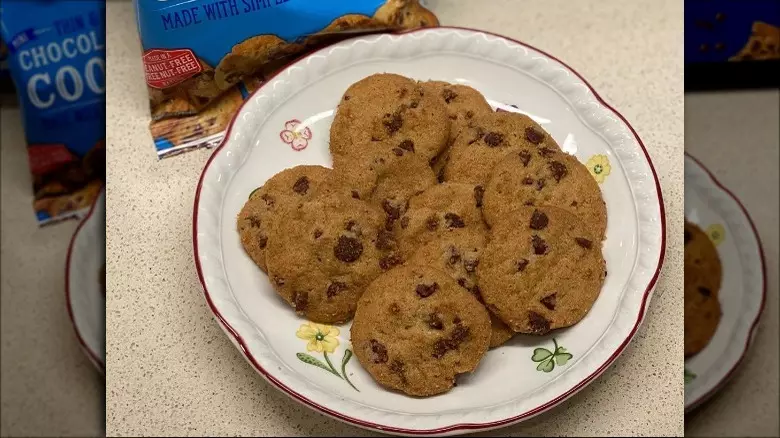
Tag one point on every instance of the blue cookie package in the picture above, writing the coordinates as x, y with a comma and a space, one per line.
56, 58
202, 58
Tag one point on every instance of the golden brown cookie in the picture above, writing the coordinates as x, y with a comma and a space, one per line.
322, 255
701, 257
415, 330
406, 14
248, 56
541, 270
286, 189
457, 254
486, 140
463, 103
702, 315
384, 112
544, 176
438, 211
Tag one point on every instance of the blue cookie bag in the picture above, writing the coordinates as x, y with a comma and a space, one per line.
56, 58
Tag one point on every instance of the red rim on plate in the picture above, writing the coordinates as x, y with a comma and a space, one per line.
93, 357
454, 427
751, 333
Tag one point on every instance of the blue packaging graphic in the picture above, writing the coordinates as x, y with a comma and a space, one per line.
56, 58
203, 57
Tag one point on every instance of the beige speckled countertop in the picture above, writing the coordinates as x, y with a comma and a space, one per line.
735, 134
171, 370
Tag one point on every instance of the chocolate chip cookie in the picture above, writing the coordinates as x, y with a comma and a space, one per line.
284, 190
702, 285
385, 111
438, 211
457, 253
545, 176
415, 330
486, 139
542, 269
321, 255
463, 103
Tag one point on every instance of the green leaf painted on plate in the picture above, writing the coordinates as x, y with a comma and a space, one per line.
540, 354
254, 191
344, 360
689, 376
546, 365
562, 358
311, 360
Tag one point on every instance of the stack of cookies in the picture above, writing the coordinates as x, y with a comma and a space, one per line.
443, 229
702, 285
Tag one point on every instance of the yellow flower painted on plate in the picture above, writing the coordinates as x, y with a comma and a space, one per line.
322, 338
717, 233
599, 167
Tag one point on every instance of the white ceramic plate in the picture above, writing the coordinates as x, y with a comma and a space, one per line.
720, 214
507, 387
84, 294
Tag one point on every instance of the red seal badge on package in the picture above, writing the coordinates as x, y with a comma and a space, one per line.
166, 68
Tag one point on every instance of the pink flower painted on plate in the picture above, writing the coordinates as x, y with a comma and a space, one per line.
296, 137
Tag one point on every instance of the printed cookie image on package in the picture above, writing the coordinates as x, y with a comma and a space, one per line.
203, 57
56, 58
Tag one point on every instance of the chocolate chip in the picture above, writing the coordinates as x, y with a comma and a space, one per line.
459, 334
407, 145
348, 249
349, 225
262, 241
346, 97
317, 233
301, 186
539, 220
540, 183
396, 366
583, 242
573, 204
479, 193
470, 265
389, 261
393, 211
300, 300
398, 152
704, 291
533, 135
453, 220
456, 320
529, 202
462, 283
402, 93
432, 222
440, 176
426, 290
549, 301
414, 104
540, 246
558, 170
469, 114
385, 240
494, 139
379, 352
546, 152
538, 324
528, 180
335, 287
404, 222
440, 348
394, 309
254, 221
279, 281
448, 95
479, 132
521, 264
688, 237
434, 322
393, 123
269, 200
525, 157
355, 194
454, 255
